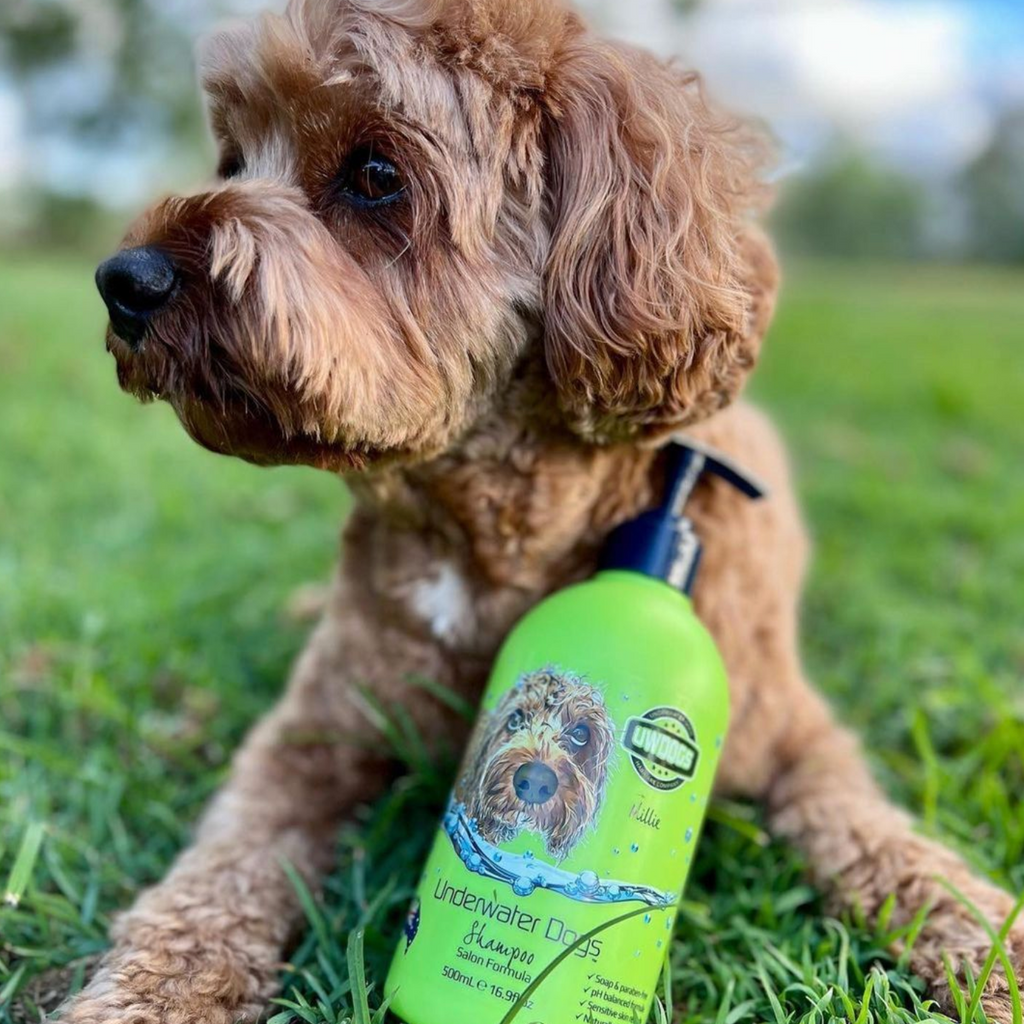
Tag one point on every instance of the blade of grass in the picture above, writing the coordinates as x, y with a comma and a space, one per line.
12, 984
769, 991
723, 1007
357, 977
666, 976
866, 1000
912, 932
930, 762
445, 695
307, 902
24, 863
997, 952
382, 1012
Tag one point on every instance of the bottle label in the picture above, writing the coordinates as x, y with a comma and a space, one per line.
539, 764
570, 810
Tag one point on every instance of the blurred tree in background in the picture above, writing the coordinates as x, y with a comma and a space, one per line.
108, 86
141, 46
994, 187
96, 79
852, 206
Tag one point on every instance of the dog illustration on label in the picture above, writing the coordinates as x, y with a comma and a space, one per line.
539, 762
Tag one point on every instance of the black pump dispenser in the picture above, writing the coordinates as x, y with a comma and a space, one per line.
662, 542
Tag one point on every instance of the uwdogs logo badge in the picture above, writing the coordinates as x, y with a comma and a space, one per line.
662, 745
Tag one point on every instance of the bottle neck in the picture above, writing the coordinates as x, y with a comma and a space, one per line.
662, 543
632, 578
656, 544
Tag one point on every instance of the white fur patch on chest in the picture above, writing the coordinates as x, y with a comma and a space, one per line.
443, 602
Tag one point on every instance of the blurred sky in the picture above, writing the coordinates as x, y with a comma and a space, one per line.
919, 83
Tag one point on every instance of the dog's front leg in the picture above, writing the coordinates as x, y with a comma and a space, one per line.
205, 945
862, 849
786, 747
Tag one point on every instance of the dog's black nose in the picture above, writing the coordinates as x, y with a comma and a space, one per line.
135, 284
535, 783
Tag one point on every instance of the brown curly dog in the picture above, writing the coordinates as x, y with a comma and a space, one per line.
489, 261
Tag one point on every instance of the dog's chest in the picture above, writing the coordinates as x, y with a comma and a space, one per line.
442, 601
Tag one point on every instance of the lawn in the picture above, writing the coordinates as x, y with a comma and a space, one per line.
144, 594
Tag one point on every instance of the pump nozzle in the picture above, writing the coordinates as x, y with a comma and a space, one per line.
662, 542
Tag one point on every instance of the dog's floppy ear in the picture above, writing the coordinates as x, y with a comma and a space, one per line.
657, 287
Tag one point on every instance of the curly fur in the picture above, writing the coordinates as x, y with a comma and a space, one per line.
571, 275
550, 704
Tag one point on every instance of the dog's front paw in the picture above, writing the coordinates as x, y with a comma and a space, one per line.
101, 1002
168, 984
999, 1007
967, 952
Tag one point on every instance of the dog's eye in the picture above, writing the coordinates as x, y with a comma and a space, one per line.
371, 179
579, 734
515, 721
231, 166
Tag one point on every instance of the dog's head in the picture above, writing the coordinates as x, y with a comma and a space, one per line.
539, 761
415, 199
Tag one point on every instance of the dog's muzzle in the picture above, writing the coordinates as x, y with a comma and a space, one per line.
135, 284
535, 783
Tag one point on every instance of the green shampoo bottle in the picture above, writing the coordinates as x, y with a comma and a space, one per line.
564, 849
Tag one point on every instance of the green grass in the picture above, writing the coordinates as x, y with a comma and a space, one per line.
143, 582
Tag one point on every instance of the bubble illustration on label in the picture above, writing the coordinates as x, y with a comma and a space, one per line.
525, 873
523, 886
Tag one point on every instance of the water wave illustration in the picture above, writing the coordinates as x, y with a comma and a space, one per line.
524, 873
